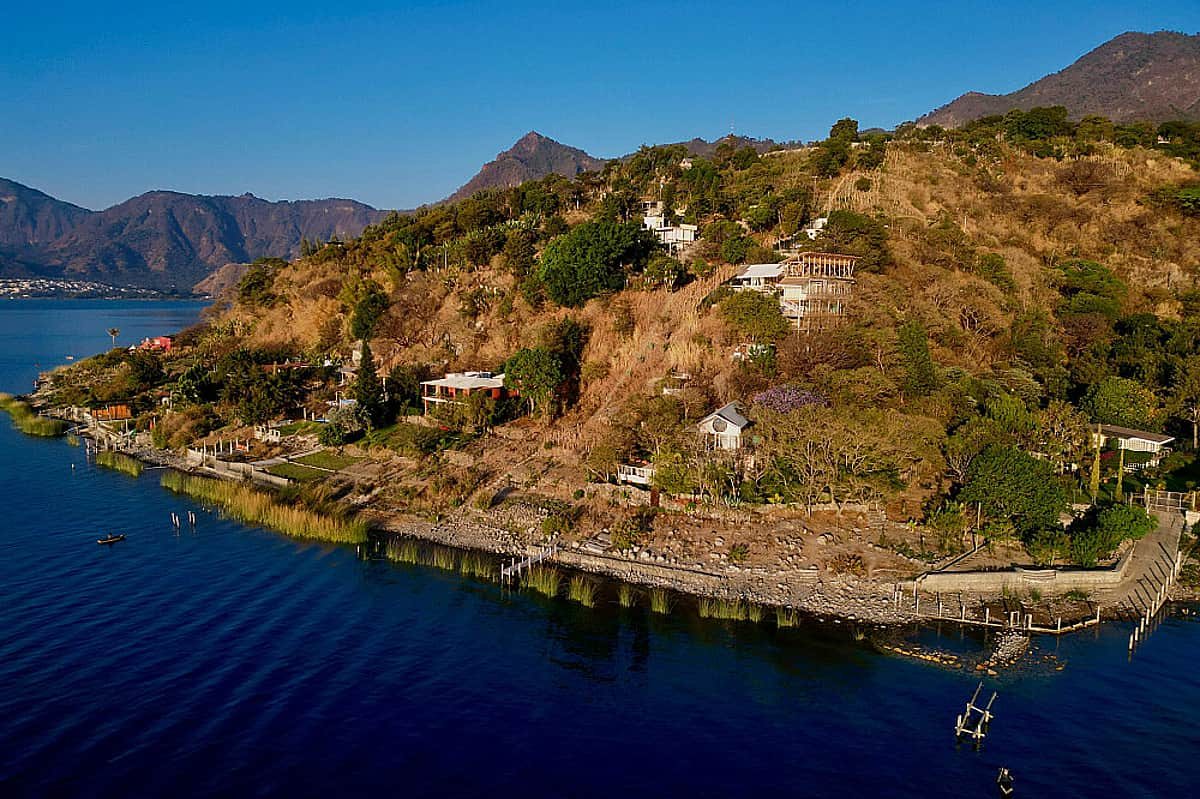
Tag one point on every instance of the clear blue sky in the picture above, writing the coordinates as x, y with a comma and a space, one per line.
397, 104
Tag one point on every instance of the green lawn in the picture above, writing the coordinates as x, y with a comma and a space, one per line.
327, 459
296, 428
294, 471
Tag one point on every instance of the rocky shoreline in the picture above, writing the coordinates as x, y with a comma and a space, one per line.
816, 594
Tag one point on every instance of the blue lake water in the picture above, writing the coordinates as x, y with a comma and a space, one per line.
232, 661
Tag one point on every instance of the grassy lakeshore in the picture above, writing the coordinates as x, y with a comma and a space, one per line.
253, 506
120, 462
28, 422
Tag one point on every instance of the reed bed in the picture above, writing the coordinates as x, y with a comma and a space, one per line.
626, 596
475, 564
249, 505
787, 617
73, 440
754, 612
660, 600
543, 579
119, 462
582, 590
28, 422
734, 610
444, 558
403, 550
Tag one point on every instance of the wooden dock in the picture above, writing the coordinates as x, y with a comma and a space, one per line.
973, 723
512, 570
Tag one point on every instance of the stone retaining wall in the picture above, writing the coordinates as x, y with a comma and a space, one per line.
1019, 579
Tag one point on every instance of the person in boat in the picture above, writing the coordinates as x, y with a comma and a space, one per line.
1004, 782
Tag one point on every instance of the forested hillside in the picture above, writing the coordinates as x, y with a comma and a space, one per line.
1020, 280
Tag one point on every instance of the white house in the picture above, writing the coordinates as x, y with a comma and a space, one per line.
457, 386
1132, 440
762, 278
723, 428
674, 237
816, 227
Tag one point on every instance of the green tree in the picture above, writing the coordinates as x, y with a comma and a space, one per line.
1011, 485
1185, 395
591, 260
368, 390
1098, 534
756, 316
1120, 401
537, 375
367, 310
920, 373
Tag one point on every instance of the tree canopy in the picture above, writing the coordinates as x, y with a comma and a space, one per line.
591, 259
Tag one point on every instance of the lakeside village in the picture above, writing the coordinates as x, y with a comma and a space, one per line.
738, 410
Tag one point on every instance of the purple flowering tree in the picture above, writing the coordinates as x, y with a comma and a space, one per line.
788, 398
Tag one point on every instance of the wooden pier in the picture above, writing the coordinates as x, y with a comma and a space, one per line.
973, 723
512, 570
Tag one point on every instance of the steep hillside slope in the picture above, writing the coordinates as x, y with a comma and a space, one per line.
1133, 77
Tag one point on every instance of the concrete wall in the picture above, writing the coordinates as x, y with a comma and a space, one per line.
1054, 581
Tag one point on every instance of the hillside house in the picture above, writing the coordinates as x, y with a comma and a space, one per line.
816, 227
639, 474
455, 387
1130, 440
675, 238
763, 278
157, 344
724, 428
113, 413
816, 288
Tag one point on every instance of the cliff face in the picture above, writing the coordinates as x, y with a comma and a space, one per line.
1133, 77
160, 239
534, 156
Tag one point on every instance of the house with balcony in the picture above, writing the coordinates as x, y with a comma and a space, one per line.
763, 278
816, 289
675, 238
456, 387
1152, 447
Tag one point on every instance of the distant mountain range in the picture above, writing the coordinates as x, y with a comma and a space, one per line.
162, 240
167, 240
1133, 77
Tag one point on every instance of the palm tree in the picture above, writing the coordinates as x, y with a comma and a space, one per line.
114, 332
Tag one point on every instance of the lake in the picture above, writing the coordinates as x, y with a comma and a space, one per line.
232, 661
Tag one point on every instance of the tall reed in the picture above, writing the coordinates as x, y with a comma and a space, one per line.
660, 600
403, 550
582, 590
119, 461
28, 422
445, 558
476, 564
73, 440
786, 617
722, 609
249, 505
625, 595
543, 579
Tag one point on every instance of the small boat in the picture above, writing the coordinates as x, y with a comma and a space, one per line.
1004, 782
111, 539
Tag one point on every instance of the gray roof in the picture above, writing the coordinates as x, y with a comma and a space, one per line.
1128, 432
730, 414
